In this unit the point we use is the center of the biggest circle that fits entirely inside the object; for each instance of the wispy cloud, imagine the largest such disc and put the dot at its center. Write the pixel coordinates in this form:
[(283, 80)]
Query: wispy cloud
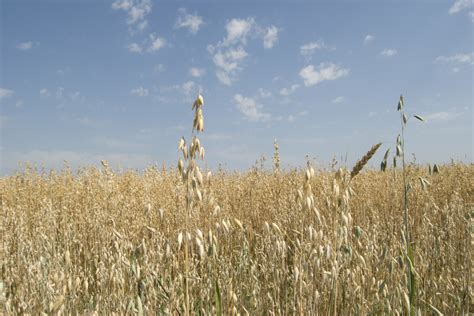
[(250, 109), (137, 11), (308, 50), (270, 38), (192, 22), (151, 45), (228, 64), (63, 71), (140, 92), (389, 52), (159, 68), (442, 116), (5, 93), (264, 93), (325, 71), (368, 39), (197, 72), (189, 87), (26, 45), (229, 54), (339, 99), (156, 43), (135, 48), (460, 5), (217, 136), (74, 95), (461, 58), (238, 31), (59, 93), (290, 90)]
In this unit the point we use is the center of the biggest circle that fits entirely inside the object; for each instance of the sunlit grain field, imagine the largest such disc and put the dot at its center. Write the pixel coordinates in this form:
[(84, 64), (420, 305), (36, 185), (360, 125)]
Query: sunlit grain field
[(102, 242)]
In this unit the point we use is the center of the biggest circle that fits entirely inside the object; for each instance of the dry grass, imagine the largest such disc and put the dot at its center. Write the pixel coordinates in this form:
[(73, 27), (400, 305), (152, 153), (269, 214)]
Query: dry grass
[(104, 243)]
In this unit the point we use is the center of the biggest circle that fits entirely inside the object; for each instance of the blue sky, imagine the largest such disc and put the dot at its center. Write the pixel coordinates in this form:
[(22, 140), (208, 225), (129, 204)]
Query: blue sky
[(88, 80)]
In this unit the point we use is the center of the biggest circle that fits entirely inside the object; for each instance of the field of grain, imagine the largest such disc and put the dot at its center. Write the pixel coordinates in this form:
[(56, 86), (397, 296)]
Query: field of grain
[(104, 242)]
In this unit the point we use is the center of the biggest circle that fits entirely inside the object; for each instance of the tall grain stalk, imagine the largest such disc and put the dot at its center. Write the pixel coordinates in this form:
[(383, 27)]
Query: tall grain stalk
[(410, 257), (193, 179)]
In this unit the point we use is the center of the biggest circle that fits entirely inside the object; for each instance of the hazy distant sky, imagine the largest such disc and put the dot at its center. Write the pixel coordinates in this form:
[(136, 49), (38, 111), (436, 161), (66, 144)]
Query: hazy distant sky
[(88, 80)]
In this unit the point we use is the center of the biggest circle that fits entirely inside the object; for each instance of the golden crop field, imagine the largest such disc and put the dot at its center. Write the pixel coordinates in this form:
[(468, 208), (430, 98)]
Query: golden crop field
[(97, 242), (118, 197), (332, 241)]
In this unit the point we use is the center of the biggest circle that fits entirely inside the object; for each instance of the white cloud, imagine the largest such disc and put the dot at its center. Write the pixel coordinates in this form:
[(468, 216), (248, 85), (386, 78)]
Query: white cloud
[(156, 43), (135, 48), (59, 93), (19, 103), (5, 93), (441, 116), (388, 52), (264, 93), (460, 5), (271, 37), (44, 93), (471, 16), (159, 68), (368, 39), (137, 10), (228, 64), (250, 109), (228, 61), (63, 71), (467, 58), (25, 45), (197, 72), (339, 99), (307, 50), (229, 53), (140, 92), (290, 90), (223, 77), (188, 87), (190, 21), (75, 95), (217, 137), (325, 71), (238, 30)]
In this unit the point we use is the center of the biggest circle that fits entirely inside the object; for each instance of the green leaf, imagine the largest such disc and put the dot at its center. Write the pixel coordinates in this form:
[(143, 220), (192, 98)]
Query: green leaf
[(218, 300), (412, 285), (383, 165)]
